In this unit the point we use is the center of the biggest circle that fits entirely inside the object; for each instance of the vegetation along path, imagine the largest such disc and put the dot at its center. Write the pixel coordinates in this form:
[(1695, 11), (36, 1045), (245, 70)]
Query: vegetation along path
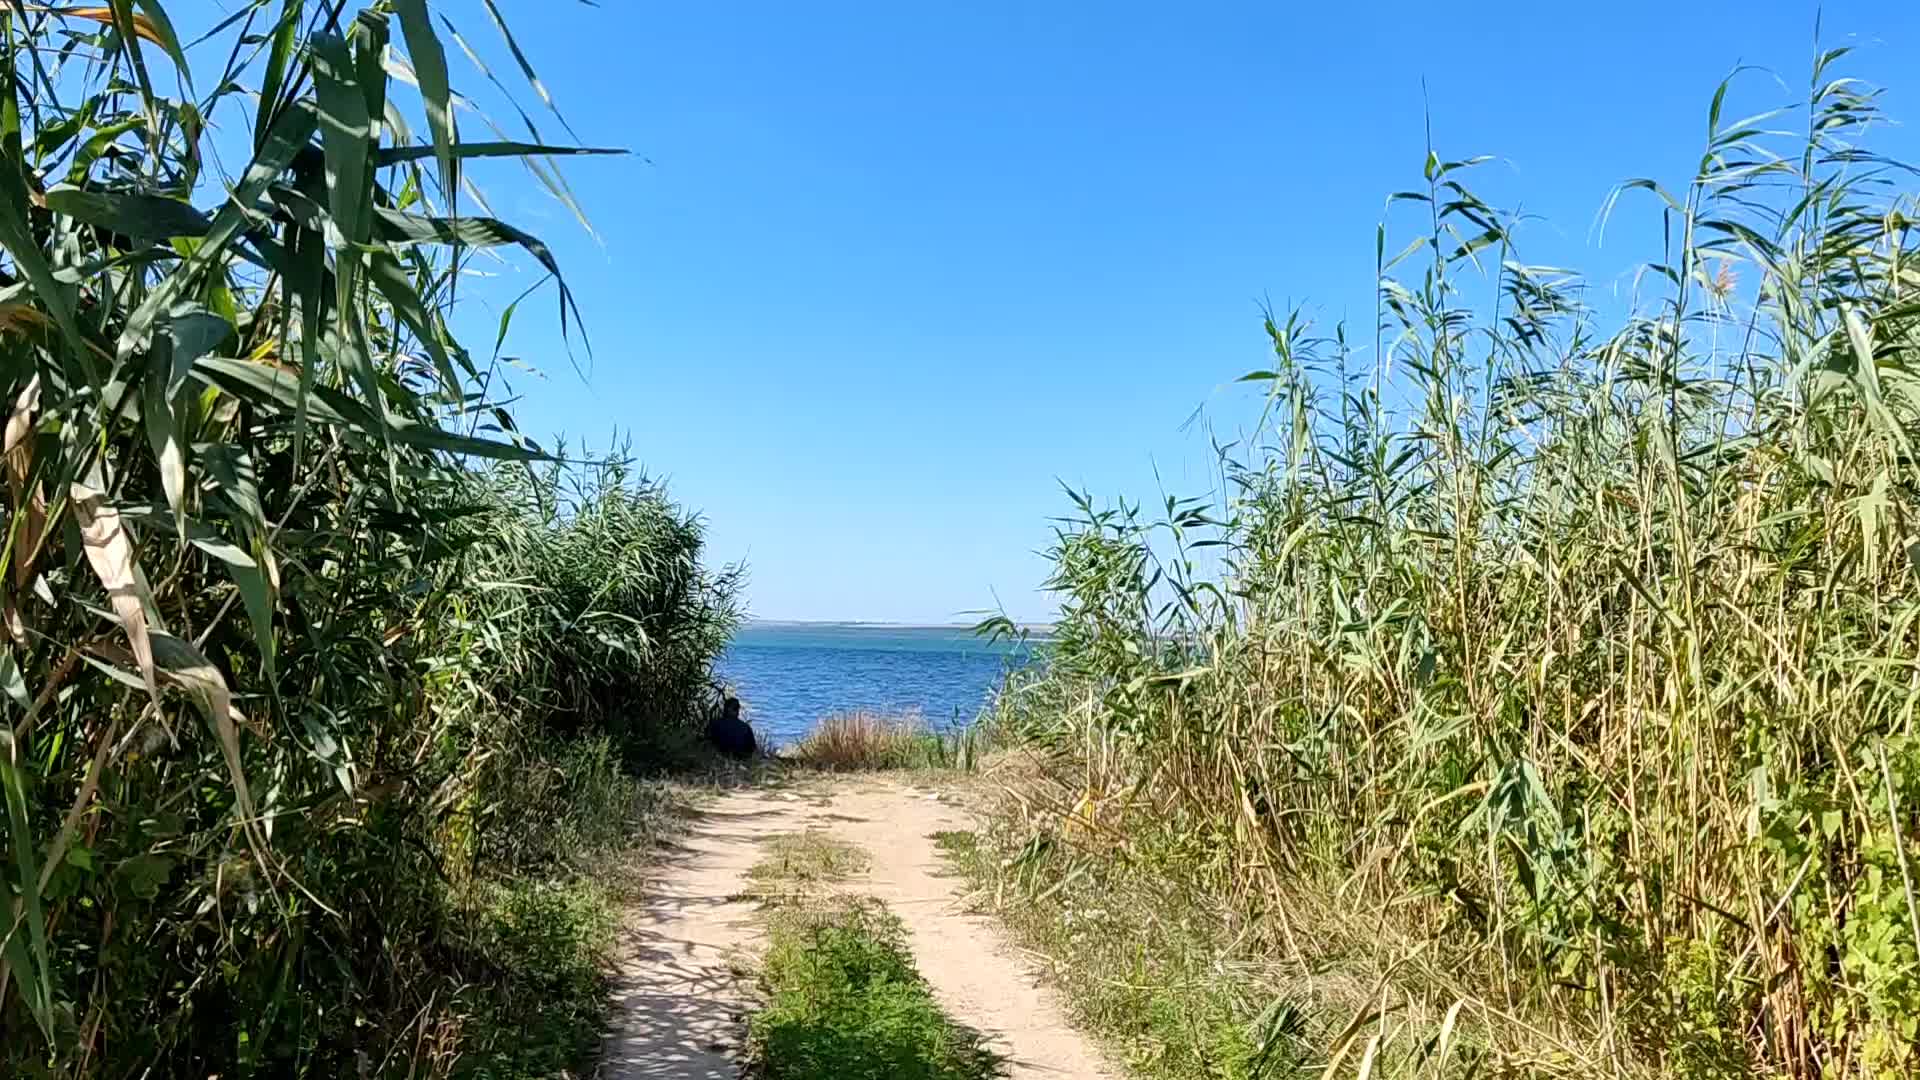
[(680, 1001)]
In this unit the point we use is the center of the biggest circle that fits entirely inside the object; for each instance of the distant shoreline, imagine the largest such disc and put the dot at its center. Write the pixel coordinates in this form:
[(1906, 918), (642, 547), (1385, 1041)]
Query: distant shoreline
[(856, 624)]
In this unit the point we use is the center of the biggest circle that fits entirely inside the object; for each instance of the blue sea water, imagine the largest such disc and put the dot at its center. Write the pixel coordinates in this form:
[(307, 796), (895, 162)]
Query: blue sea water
[(789, 675)]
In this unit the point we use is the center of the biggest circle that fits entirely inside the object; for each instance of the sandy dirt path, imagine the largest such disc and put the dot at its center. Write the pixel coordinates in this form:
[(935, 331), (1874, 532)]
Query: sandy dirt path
[(679, 1003)]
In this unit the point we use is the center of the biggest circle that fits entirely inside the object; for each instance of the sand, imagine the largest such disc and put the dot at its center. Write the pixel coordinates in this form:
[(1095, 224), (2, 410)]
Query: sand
[(680, 1000)]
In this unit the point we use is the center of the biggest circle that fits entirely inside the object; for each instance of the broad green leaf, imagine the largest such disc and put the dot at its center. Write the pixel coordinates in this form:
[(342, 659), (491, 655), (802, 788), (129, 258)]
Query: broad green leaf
[(350, 352), (273, 81), (346, 130), (230, 475), (506, 322), (54, 135), (307, 276), (192, 334), (143, 217), (264, 384), (257, 594), (430, 66), (97, 144), (130, 29), (481, 232), (387, 275), (369, 41), (290, 133), (198, 533), (159, 29), (395, 155), (430, 437), (19, 241)]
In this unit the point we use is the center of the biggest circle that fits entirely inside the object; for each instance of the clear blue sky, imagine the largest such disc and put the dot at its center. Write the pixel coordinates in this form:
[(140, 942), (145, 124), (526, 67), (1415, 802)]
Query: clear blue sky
[(881, 275)]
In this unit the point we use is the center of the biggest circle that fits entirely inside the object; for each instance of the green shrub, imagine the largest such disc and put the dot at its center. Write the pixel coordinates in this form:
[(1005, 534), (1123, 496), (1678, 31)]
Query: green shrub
[(599, 608), (545, 1012)]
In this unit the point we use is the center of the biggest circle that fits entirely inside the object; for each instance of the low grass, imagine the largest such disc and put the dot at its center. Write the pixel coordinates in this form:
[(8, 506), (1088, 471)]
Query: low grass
[(843, 1000), (863, 741), (1143, 972), (537, 910), (543, 1013), (803, 863)]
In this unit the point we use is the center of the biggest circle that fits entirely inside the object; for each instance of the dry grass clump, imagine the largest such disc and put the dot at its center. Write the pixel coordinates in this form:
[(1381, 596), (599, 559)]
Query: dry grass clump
[(803, 864), (865, 741), (1183, 977)]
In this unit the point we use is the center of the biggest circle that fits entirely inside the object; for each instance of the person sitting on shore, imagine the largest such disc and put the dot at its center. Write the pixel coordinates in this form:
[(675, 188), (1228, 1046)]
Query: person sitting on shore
[(730, 734)]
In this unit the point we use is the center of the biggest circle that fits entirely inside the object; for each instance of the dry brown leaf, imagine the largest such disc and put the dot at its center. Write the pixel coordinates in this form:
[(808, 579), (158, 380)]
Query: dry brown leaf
[(143, 27), (182, 665), (18, 318), (19, 456), (187, 668), (110, 553), (27, 551), (20, 420)]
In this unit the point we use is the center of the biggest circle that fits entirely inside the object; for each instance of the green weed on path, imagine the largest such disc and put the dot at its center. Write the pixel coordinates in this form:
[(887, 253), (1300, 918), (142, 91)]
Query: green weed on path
[(842, 998), (844, 1002)]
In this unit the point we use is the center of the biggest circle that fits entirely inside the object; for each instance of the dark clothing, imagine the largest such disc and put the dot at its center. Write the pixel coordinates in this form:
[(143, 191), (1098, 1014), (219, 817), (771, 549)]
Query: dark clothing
[(730, 734)]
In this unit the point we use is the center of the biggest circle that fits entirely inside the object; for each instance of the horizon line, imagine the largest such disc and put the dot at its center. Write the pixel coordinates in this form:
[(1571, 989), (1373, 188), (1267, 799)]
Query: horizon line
[(762, 621)]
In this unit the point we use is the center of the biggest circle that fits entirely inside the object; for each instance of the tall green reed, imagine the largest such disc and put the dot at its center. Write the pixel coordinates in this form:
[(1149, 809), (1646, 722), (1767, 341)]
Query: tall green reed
[(263, 680), (1576, 649)]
